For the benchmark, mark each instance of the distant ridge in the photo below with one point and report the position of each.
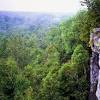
(29, 22)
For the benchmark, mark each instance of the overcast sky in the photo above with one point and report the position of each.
(41, 5)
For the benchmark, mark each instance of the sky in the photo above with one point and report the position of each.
(41, 5)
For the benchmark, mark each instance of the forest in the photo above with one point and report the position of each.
(55, 67)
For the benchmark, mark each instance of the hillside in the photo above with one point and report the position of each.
(29, 22)
(50, 67)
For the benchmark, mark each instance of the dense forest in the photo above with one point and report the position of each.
(53, 68)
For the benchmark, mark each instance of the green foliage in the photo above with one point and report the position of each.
(93, 12)
(23, 89)
(55, 70)
(50, 86)
(35, 77)
(71, 85)
(80, 55)
(8, 71)
(21, 48)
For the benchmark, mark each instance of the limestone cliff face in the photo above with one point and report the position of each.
(98, 87)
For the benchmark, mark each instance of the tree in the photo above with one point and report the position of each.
(50, 86)
(21, 48)
(94, 11)
(23, 89)
(80, 55)
(8, 72)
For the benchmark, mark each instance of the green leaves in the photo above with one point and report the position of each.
(55, 69)
(80, 55)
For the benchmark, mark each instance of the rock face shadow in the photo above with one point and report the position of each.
(98, 86)
(92, 96)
